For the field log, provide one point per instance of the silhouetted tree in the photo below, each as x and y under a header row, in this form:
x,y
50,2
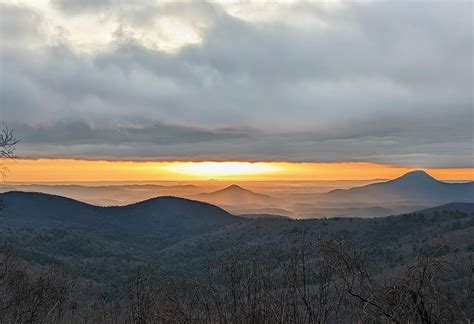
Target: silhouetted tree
x,y
8,143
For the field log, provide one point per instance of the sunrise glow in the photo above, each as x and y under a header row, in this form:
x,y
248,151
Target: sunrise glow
x,y
44,170
222,169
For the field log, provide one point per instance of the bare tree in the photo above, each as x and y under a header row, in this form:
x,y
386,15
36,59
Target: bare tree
x,y
322,281
30,298
413,294
8,142
319,281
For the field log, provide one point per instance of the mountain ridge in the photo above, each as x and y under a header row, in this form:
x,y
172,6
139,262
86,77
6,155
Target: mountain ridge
x,y
450,207
157,222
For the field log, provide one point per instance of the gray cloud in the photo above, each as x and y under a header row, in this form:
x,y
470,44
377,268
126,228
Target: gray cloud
x,y
73,7
388,82
79,132
401,141
19,25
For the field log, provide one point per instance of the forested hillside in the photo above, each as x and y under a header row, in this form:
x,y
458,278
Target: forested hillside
x,y
169,258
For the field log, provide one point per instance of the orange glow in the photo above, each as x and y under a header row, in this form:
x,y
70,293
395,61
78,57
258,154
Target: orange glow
x,y
222,169
69,170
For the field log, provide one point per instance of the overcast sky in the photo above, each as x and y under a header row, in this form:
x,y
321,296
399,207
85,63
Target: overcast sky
x,y
381,81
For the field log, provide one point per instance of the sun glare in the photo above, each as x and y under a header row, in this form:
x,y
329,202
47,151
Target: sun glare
x,y
221,169
25,170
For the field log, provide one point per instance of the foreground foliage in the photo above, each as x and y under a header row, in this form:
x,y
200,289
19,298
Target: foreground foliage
x,y
415,268
322,281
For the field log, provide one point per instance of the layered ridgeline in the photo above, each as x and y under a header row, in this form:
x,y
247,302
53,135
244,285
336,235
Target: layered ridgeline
x,y
416,186
106,195
182,233
413,191
101,250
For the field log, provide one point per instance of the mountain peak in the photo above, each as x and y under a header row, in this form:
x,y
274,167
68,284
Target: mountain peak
x,y
233,195
416,179
234,187
416,175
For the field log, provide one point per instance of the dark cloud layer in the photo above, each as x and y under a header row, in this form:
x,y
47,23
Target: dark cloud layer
x,y
382,81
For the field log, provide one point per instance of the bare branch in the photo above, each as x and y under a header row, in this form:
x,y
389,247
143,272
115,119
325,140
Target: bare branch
x,y
8,142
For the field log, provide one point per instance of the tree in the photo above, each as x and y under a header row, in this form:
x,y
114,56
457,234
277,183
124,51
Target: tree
x,y
27,297
8,143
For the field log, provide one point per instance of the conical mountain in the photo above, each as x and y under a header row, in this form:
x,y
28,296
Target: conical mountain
x,y
413,186
234,195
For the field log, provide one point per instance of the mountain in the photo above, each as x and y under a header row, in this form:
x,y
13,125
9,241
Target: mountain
x,y
105,251
253,216
387,240
102,249
234,195
116,195
155,222
416,186
455,207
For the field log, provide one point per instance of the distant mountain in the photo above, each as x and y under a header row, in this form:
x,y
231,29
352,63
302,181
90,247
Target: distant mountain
x,y
47,188
259,209
160,221
362,212
252,216
106,195
234,195
467,208
413,186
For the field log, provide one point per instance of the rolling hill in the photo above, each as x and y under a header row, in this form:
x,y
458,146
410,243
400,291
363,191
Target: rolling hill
x,y
105,195
102,248
154,222
467,208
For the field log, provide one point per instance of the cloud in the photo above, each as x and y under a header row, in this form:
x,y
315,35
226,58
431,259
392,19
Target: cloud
x,y
401,141
19,25
378,81
74,7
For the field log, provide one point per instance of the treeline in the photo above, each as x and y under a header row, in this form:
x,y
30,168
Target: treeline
x,y
321,281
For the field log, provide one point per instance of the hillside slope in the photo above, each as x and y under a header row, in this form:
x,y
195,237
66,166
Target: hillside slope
x,y
105,246
159,221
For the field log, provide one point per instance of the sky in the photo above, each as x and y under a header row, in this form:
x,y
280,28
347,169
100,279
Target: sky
x,y
70,171
388,83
